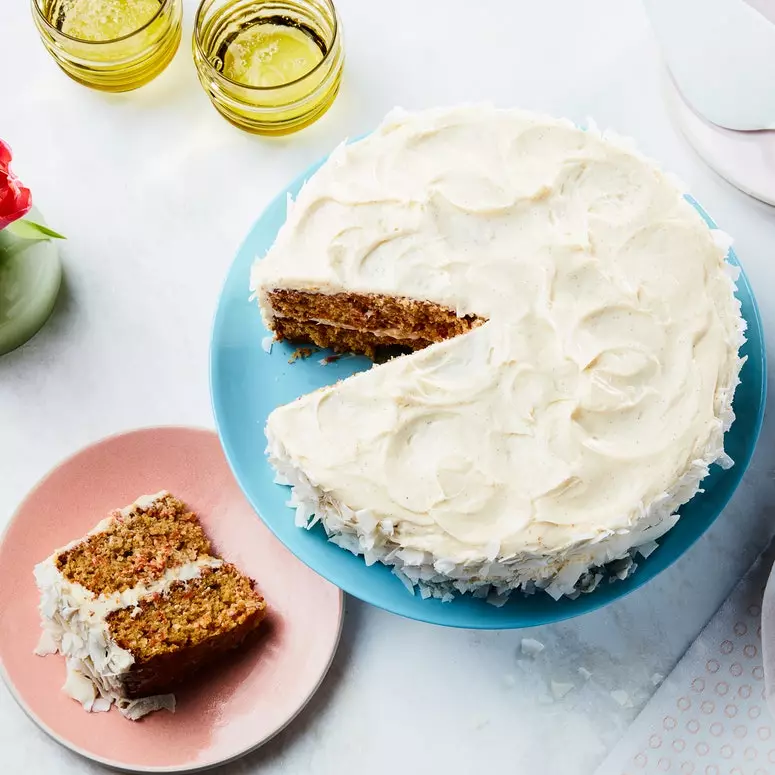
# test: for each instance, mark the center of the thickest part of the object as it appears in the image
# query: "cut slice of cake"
(360, 322)
(139, 604)
(576, 340)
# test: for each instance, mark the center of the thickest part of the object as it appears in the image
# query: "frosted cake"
(575, 341)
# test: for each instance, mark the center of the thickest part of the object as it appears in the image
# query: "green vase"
(30, 276)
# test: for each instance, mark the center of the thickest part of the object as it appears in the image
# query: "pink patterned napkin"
(768, 641)
(710, 716)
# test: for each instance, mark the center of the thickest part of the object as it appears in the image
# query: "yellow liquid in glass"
(267, 54)
(113, 45)
(280, 61)
(99, 20)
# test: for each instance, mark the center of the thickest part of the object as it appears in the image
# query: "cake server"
(721, 54)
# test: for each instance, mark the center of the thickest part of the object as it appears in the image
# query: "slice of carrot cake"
(140, 603)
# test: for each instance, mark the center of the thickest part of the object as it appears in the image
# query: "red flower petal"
(5, 156)
(15, 199)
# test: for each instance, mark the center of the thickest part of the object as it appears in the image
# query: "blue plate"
(247, 384)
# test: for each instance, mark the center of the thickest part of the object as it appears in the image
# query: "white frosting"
(572, 424)
(73, 622)
(143, 503)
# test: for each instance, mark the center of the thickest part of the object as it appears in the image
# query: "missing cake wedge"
(139, 604)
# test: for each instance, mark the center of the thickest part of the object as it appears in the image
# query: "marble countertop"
(156, 191)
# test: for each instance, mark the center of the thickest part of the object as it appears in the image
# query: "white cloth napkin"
(710, 715)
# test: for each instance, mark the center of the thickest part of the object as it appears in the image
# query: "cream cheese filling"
(392, 333)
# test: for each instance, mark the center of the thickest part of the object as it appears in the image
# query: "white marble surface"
(155, 191)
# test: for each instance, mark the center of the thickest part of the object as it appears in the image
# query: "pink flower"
(15, 199)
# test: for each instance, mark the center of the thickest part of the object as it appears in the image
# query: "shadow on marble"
(59, 324)
(305, 723)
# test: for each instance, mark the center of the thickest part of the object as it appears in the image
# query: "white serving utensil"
(721, 54)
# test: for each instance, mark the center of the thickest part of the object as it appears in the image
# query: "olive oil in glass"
(100, 19)
(269, 67)
(113, 45)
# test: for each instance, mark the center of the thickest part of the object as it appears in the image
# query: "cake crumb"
(300, 353)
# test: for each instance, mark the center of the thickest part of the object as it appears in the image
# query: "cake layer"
(172, 633)
(135, 545)
(341, 340)
(376, 313)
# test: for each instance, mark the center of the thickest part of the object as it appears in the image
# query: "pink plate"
(227, 711)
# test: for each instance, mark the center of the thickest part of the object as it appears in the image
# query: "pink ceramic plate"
(227, 711)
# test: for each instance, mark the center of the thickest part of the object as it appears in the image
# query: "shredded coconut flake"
(531, 647)
(622, 698)
(136, 709)
(648, 548)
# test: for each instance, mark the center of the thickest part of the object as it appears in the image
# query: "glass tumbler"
(112, 45)
(269, 66)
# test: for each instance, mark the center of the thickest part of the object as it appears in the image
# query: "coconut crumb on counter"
(622, 698)
(531, 647)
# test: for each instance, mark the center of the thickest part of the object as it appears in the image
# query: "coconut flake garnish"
(46, 645)
(648, 548)
(531, 647)
(266, 344)
(722, 240)
(498, 600)
(493, 549)
(136, 709)
(403, 578)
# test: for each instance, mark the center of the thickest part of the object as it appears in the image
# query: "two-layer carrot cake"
(575, 336)
(139, 604)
